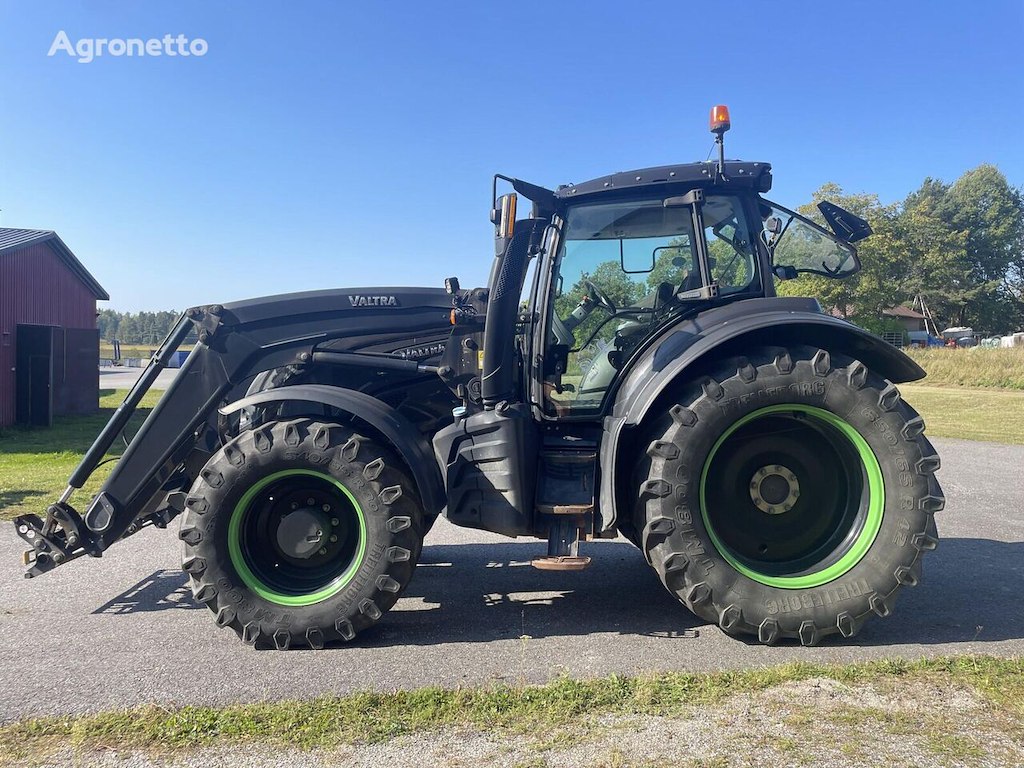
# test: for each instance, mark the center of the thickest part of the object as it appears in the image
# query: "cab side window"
(731, 252)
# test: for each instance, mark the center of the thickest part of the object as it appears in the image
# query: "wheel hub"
(302, 532)
(774, 489)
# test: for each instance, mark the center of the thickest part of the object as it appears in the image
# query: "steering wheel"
(600, 297)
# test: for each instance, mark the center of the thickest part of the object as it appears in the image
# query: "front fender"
(726, 331)
(411, 446)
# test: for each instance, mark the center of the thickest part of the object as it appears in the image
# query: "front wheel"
(301, 532)
(788, 494)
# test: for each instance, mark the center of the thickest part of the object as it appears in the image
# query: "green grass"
(378, 717)
(975, 367)
(35, 463)
(994, 415)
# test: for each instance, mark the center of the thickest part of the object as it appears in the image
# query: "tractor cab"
(623, 266)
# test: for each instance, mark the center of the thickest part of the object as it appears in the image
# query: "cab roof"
(757, 175)
(736, 173)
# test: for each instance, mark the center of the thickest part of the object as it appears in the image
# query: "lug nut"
(334, 520)
(326, 508)
(333, 538)
(310, 501)
(323, 551)
(295, 505)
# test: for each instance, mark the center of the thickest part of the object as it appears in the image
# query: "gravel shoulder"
(931, 723)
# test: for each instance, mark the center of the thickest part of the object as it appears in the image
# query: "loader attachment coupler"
(63, 535)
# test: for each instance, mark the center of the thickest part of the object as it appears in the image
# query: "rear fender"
(730, 330)
(407, 441)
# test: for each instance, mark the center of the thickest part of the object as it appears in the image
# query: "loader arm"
(356, 330)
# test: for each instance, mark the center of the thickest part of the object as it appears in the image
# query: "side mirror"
(503, 216)
(773, 224)
(844, 224)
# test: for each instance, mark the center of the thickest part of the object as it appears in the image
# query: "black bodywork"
(448, 378)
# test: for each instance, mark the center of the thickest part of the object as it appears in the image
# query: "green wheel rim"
(267, 592)
(870, 521)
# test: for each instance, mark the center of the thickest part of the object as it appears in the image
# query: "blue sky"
(327, 144)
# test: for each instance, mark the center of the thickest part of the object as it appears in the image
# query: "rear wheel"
(300, 532)
(788, 494)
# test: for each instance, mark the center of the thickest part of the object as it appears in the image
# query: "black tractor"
(628, 370)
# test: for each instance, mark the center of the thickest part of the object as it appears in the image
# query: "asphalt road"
(121, 377)
(122, 630)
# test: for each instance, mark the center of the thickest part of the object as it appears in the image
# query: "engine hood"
(338, 299)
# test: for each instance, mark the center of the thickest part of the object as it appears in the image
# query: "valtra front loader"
(628, 370)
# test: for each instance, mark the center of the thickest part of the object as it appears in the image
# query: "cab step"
(565, 499)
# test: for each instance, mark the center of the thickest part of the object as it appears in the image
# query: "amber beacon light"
(719, 119)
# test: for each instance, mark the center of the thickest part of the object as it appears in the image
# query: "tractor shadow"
(972, 592)
(483, 592)
(162, 590)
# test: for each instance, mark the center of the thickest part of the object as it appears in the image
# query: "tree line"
(960, 246)
(135, 327)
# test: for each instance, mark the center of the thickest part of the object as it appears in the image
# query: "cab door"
(622, 270)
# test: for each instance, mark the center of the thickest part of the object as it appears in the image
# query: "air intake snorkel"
(514, 242)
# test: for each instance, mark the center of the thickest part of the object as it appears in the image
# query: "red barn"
(49, 345)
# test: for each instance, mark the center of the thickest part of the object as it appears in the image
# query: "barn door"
(34, 375)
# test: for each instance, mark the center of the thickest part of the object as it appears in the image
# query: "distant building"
(911, 320)
(49, 345)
